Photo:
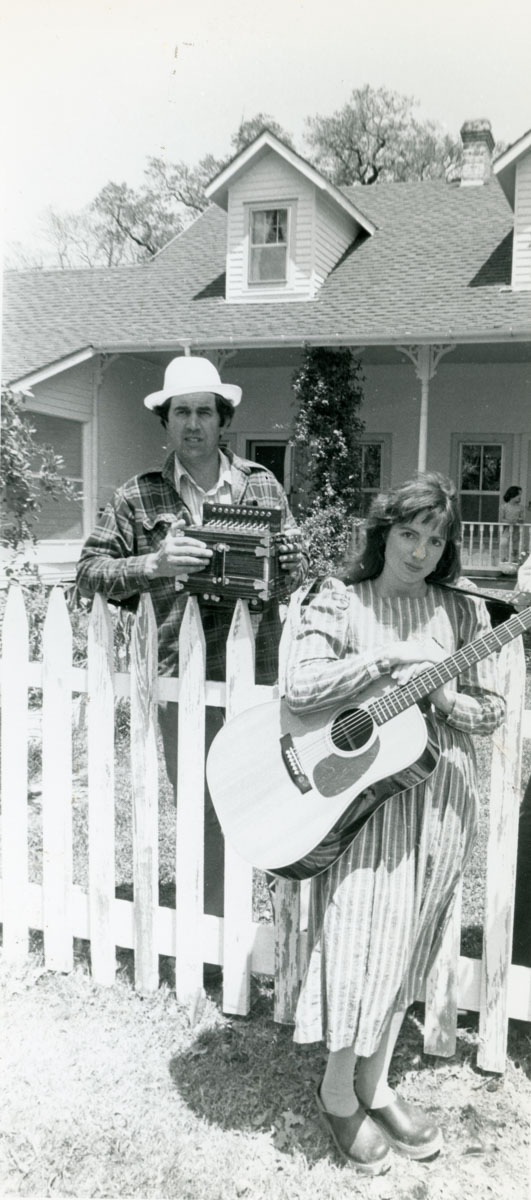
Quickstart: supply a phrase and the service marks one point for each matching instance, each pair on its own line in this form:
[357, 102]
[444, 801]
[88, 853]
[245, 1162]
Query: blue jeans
[214, 861]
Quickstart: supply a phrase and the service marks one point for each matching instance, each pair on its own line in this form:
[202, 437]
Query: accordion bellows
[245, 565]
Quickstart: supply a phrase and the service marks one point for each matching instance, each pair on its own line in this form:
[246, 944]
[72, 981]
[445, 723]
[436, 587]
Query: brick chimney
[478, 144]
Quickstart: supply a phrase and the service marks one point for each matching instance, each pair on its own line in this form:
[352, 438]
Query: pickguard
[334, 774]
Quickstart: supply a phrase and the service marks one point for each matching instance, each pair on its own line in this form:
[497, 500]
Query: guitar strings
[474, 652]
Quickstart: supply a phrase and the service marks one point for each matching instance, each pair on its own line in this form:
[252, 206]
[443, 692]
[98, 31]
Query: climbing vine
[329, 389]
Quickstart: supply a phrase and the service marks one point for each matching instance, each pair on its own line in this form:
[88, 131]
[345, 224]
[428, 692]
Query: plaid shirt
[134, 524]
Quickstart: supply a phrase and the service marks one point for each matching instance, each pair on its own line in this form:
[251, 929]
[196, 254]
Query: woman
[377, 915]
[511, 515]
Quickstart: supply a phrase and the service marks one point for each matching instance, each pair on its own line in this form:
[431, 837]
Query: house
[429, 282]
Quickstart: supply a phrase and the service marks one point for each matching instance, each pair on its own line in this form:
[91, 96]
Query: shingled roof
[437, 267]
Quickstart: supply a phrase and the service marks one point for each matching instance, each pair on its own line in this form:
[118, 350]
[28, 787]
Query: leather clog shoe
[407, 1130]
[357, 1139]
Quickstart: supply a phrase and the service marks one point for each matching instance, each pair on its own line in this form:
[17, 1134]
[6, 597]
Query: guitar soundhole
[352, 729]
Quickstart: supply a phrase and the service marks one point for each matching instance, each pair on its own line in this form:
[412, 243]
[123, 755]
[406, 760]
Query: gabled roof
[505, 166]
[437, 268]
[218, 188]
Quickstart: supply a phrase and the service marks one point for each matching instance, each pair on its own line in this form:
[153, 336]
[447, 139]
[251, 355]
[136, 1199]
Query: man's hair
[224, 410]
[511, 493]
[430, 497]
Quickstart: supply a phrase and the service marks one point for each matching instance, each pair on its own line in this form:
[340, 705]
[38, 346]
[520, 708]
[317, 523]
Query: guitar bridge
[293, 764]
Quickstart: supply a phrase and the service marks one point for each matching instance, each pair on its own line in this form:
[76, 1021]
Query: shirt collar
[223, 477]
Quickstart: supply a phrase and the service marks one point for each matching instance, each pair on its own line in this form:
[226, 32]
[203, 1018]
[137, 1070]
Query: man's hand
[290, 555]
[178, 556]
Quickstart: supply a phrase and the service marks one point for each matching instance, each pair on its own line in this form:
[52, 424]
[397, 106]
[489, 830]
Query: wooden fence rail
[62, 910]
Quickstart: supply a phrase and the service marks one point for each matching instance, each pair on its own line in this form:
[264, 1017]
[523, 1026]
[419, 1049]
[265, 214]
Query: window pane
[372, 466]
[489, 508]
[469, 507]
[268, 263]
[470, 468]
[271, 227]
[258, 228]
[64, 436]
[60, 519]
[491, 474]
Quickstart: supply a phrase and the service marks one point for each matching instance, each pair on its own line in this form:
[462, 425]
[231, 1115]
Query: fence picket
[15, 777]
[57, 785]
[100, 734]
[190, 809]
[287, 895]
[287, 949]
[440, 1020]
[237, 932]
[501, 863]
[144, 782]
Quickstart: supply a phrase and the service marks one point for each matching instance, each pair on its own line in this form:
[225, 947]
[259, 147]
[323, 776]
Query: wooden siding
[521, 277]
[334, 233]
[66, 395]
[130, 438]
[273, 183]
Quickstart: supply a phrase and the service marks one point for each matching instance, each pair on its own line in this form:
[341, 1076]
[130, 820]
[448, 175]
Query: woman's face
[513, 506]
[412, 551]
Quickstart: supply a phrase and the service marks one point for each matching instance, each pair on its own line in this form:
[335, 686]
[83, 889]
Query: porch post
[425, 360]
[423, 372]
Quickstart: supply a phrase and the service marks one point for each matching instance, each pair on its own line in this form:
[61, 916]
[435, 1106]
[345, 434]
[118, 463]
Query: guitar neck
[395, 702]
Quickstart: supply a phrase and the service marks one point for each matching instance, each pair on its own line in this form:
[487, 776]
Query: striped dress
[377, 915]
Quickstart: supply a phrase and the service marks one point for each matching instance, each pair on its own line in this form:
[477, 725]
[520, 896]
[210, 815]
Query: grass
[110, 1094]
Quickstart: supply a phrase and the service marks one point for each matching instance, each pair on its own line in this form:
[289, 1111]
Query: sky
[90, 89]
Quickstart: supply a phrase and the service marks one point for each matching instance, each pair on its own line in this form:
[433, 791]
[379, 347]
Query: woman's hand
[409, 659]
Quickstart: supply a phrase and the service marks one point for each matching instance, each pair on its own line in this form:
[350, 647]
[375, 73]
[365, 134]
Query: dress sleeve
[322, 665]
[479, 707]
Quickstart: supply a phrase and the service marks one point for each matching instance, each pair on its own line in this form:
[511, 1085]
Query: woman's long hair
[428, 496]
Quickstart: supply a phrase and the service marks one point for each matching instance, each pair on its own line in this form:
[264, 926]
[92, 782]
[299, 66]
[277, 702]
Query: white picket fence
[491, 986]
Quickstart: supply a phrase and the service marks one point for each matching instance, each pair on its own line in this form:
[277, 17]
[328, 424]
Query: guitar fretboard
[396, 701]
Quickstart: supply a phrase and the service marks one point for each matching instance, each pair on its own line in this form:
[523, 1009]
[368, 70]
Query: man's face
[193, 428]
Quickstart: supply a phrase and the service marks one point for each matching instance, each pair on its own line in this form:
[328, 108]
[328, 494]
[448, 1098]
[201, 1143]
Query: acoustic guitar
[292, 791]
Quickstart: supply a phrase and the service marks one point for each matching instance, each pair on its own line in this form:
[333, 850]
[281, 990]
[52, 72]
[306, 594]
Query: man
[140, 545]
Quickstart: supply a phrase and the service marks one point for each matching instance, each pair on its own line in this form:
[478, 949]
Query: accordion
[244, 540]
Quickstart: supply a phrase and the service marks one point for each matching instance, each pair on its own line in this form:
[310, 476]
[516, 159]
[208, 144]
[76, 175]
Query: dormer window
[268, 245]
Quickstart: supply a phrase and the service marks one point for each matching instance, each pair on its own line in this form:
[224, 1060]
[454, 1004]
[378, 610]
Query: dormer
[287, 225]
[513, 169]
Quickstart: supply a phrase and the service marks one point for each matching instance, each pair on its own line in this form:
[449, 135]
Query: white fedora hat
[185, 375]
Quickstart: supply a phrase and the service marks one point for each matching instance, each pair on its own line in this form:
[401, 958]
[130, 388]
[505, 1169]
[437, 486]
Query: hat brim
[227, 391]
